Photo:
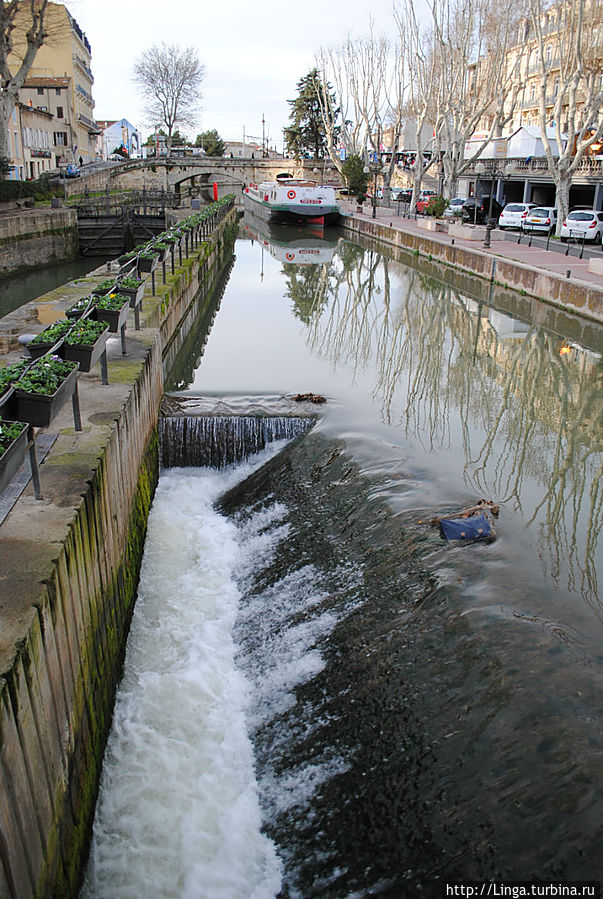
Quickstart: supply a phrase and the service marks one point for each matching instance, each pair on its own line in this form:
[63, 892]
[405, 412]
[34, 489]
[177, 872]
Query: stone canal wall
[563, 293]
[69, 567]
[31, 238]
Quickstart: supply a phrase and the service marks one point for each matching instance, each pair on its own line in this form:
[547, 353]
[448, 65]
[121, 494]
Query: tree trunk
[563, 182]
[6, 110]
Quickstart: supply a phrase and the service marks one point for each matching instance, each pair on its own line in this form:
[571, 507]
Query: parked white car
[541, 219]
[584, 224]
[513, 215]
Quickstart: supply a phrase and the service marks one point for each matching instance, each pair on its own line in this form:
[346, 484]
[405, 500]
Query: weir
[220, 440]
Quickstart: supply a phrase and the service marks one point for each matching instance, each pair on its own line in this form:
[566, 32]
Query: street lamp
[494, 171]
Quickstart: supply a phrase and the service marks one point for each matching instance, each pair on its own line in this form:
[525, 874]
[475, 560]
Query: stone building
[65, 57]
[53, 96]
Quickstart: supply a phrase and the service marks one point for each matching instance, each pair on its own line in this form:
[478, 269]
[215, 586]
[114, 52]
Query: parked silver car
[454, 208]
[542, 219]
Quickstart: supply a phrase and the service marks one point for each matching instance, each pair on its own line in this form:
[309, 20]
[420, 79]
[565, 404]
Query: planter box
[148, 265]
[135, 296]
[87, 356]
[39, 410]
[74, 315]
[8, 405]
[12, 460]
[101, 291]
[36, 350]
[115, 320]
[126, 265]
[163, 254]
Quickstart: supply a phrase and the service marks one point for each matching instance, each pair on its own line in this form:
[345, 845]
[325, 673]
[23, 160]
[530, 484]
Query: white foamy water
[178, 812]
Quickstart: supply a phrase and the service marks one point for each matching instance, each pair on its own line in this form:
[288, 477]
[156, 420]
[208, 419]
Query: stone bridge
[192, 175]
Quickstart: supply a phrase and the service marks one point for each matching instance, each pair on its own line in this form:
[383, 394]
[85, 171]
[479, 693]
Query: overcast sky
[254, 53]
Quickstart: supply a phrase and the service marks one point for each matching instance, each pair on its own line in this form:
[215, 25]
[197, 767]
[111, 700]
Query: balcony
[534, 102]
[89, 123]
[84, 67]
[537, 166]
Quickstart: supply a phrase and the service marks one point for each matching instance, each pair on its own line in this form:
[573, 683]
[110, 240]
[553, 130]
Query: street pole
[494, 173]
[375, 196]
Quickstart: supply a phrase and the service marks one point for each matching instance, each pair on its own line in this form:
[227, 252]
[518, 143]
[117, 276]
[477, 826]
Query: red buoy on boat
[215, 191]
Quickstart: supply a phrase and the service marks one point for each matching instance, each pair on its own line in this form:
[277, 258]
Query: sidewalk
[502, 244]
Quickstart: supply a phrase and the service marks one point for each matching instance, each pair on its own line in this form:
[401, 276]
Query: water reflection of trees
[528, 407]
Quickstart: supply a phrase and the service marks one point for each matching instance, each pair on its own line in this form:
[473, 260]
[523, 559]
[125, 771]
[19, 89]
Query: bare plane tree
[368, 77]
[569, 36]
[169, 79]
[24, 24]
[476, 85]
[422, 84]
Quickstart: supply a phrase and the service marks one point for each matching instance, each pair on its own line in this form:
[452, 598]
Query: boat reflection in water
[310, 245]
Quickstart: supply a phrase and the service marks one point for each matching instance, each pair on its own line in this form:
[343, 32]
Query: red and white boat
[293, 201]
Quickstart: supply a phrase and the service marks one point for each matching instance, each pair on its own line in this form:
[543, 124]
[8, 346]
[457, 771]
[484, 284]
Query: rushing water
[322, 698]
[178, 813]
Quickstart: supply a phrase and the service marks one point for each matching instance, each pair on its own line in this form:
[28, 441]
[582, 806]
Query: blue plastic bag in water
[476, 527]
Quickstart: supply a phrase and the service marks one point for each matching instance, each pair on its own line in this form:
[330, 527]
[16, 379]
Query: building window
[59, 112]
[40, 91]
[60, 138]
[58, 91]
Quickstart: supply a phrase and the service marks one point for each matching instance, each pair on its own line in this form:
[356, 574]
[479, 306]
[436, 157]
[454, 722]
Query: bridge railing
[113, 202]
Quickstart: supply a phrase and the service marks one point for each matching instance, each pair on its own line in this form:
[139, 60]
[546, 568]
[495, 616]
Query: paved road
[503, 243]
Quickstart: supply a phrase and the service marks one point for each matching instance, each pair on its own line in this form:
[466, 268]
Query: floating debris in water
[474, 527]
[474, 523]
[309, 398]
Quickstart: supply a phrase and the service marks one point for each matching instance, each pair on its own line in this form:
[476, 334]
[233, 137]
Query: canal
[21, 288]
[321, 696]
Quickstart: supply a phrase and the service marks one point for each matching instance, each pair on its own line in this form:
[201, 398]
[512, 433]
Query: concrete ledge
[596, 266]
[431, 224]
[569, 295]
[468, 232]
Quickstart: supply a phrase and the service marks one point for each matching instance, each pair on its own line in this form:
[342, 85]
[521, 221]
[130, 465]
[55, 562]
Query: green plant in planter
[53, 333]
[161, 246]
[130, 283]
[86, 333]
[80, 307]
[45, 375]
[11, 373]
[112, 302]
[107, 284]
[9, 431]
[436, 206]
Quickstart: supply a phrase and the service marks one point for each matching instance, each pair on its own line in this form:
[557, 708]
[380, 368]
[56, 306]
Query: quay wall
[570, 295]
[30, 238]
[69, 566]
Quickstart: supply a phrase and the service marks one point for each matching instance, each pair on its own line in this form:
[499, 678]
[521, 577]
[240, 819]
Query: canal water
[322, 697]
[16, 290]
